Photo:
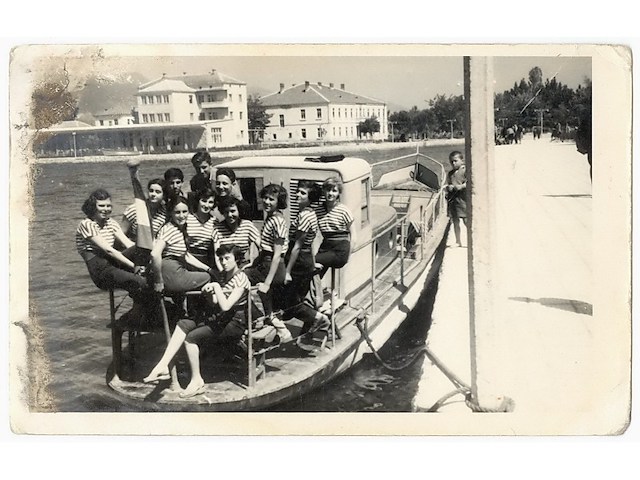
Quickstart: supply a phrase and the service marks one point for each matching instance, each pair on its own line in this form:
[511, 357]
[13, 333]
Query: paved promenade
[552, 355]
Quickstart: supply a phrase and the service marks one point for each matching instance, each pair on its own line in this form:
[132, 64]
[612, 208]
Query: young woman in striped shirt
[229, 298]
[235, 229]
[268, 271]
[95, 239]
[300, 261]
[170, 257]
[338, 231]
[157, 210]
[200, 228]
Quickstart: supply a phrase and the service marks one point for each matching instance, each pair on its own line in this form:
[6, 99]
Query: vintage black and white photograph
[321, 229]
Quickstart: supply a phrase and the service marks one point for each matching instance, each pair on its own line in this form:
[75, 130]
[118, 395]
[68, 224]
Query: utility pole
[451, 122]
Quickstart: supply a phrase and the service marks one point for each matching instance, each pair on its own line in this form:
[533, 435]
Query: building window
[190, 98]
[318, 113]
[152, 118]
[145, 118]
[201, 116]
[290, 135]
[211, 116]
[304, 133]
[231, 97]
[240, 115]
[166, 98]
[216, 135]
[102, 123]
[334, 131]
[339, 131]
[158, 98]
[352, 131]
[144, 99]
[351, 112]
[241, 133]
[167, 117]
[339, 112]
[303, 114]
[200, 98]
[282, 120]
[275, 137]
[160, 117]
[191, 116]
[151, 99]
[320, 133]
[115, 122]
[240, 97]
[333, 112]
[230, 114]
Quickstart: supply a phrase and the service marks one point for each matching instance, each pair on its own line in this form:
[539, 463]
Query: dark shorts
[334, 252]
[260, 269]
[107, 275]
[178, 279]
[225, 327]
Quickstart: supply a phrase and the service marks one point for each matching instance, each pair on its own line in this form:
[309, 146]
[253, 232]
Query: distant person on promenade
[583, 137]
[456, 193]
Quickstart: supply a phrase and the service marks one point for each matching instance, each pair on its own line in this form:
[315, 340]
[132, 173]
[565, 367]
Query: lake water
[74, 314]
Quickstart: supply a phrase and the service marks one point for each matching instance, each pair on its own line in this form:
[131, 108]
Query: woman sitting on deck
[155, 206]
[300, 261]
[170, 257]
[95, 239]
[200, 228]
[338, 231]
[235, 229]
[229, 298]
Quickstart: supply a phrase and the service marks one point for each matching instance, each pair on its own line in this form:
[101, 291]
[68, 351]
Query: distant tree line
[523, 104]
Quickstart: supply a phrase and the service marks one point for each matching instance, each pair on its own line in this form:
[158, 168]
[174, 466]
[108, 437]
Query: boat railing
[438, 165]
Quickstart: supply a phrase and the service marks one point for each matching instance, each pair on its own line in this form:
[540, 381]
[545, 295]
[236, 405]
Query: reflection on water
[74, 314]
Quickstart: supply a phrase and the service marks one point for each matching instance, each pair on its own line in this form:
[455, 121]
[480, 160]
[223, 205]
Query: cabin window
[250, 190]
[364, 202]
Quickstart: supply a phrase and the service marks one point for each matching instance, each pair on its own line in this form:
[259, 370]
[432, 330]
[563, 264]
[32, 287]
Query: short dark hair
[89, 206]
[173, 173]
[200, 157]
[277, 191]
[206, 193]
[230, 248]
[156, 181]
[175, 200]
[454, 154]
[313, 188]
[229, 201]
[227, 172]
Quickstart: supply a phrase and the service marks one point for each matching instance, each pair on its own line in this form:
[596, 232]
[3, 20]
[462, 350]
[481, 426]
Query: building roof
[115, 110]
[315, 94]
[207, 81]
[70, 124]
[165, 84]
[349, 168]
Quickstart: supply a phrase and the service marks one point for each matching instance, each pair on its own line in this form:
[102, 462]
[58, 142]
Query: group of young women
[204, 243]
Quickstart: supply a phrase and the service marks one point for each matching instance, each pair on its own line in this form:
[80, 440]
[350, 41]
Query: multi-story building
[119, 115]
[318, 112]
[214, 101]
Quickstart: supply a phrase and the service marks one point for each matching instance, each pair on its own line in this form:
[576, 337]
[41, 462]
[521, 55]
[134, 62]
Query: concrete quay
[566, 368]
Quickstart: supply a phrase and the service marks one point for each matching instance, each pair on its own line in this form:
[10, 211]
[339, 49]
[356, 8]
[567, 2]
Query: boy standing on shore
[456, 193]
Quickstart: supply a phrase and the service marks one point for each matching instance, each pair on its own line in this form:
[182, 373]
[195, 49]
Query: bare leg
[161, 370]
[456, 229]
[197, 382]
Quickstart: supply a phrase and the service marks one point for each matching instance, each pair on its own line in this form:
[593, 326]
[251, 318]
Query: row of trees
[523, 104]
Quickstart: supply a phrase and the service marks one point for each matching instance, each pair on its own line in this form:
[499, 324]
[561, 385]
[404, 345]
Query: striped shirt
[157, 220]
[338, 220]
[90, 228]
[274, 228]
[200, 235]
[174, 239]
[243, 237]
[239, 280]
[306, 221]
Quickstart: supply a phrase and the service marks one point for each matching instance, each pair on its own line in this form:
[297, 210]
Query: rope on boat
[462, 388]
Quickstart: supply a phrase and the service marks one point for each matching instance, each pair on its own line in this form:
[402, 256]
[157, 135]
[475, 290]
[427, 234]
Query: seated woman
[229, 298]
[300, 261]
[235, 229]
[200, 228]
[95, 239]
[155, 205]
[268, 270]
[170, 258]
[338, 231]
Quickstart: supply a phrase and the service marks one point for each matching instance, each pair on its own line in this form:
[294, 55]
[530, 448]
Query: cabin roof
[349, 168]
